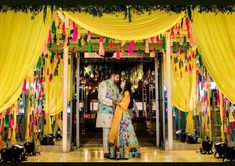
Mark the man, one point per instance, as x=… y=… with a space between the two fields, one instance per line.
x=108 y=96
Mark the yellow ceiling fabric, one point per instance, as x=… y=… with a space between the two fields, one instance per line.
x=215 y=34
x=22 y=40
x=114 y=26
x=183 y=89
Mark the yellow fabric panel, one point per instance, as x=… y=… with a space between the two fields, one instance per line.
x=114 y=26
x=183 y=89
x=21 y=39
x=215 y=36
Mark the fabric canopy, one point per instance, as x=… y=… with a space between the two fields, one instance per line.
x=215 y=36
x=114 y=26
x=22 y=40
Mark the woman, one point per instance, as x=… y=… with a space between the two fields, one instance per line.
x=123 y=143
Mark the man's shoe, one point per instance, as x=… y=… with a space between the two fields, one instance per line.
x=107 y=155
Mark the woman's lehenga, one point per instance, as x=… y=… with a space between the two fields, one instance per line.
x=126 y=145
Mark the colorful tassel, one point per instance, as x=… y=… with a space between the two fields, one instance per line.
x=63 y=29
x=101 y=49
x=79 y=43
x=146 y=47
x=89 y=47
x=118 y=54
x=164 y=43
x=111 y=44
x=131 y=47
x=88 y=35
x=49 y=37
x=24 y=87
x=75 y=32
x=53 y=28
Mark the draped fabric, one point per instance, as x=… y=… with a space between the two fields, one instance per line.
x=183 y=89
x=215 y=36
x=115 y=26
x=21 y=39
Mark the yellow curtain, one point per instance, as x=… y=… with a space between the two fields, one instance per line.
x=183 y=89
x=53 y=90
x=21 y=39
x=214 y=34
x=114 y=26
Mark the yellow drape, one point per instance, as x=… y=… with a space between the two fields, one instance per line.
x=183 y=90
x=215 y=36
x=53 y=91
x=21 y=39
x=114 y=26
x=123 y=105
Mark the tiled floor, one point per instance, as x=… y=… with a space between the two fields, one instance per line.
x=149 y=154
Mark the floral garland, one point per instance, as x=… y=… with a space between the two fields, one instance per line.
x=98 y=10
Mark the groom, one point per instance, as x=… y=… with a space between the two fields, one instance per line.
x=108 y=96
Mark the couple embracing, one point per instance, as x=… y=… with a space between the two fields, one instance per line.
x=119 y=138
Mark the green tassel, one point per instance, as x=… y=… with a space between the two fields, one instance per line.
x=53 y=28
x=143 y=42
x=185 y=41
x=164 y=43
x=39 y=63
x=55 y=39
x=161 y=36
x=107 y=40
x=85 y=38
x=79 y=43
x=43 y=97
x=89 y=47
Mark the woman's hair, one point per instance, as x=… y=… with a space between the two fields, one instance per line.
x=128 y=88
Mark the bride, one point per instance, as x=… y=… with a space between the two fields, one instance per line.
x=123 y=143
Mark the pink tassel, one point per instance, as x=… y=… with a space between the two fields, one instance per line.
x=24 y=87
x=75 y=32
x=131 y=47
x=63 y=28
x=101 y=39
x=89 y=35
x=101 y=49
x=49 y=37
x=147 y=47
x=118 y=55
